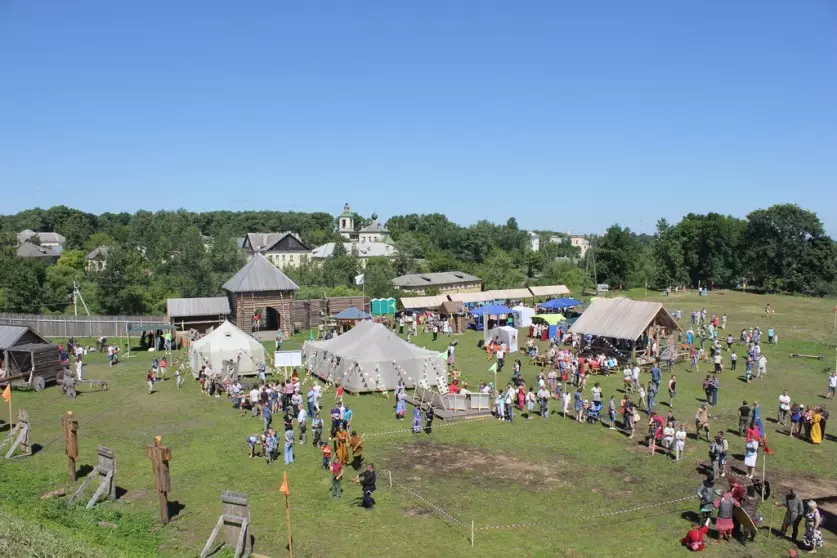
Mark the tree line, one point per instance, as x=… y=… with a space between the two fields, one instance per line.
x=156 y=255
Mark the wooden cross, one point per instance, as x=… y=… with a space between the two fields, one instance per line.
x=160 y=456
x=70 y=427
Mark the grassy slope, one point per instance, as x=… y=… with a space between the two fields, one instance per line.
x=545 y=471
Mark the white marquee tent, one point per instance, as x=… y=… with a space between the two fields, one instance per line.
x=227 y=348
x=505 y=334
x=370 y=357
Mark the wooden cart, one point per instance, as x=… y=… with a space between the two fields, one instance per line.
x=32 y=366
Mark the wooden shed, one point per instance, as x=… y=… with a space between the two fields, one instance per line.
x=260 y=288
x=29 y=359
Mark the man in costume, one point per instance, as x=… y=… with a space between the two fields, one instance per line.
x=694 y=538
x=357 y=450
x=367 y=483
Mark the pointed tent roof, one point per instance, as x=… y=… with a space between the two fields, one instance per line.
x=352 y=313
x=371 y=341
x=259 y=275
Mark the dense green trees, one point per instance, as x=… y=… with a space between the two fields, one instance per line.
x=162 y=254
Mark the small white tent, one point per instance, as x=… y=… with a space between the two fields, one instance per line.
x=505 y=334
x=523 y=316
x=227 y=349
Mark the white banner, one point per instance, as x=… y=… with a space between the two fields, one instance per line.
x=287 y=358
x=359 y=279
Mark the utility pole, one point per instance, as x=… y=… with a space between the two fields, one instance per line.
x=77 y=296
x=590 y=265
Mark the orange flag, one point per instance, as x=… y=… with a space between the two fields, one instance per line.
x=284 y=488
x=7 y=393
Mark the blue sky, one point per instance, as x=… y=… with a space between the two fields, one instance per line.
x=566 y=115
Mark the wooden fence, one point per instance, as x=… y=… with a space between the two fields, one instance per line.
x=57 y=325
x=306 y=314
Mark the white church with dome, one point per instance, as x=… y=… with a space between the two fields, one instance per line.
x=370 y=241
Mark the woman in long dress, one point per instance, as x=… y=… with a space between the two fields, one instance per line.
x=751 y=456
x=813 y=522
x=816 y=429
x=416 y=420
x=342 y=449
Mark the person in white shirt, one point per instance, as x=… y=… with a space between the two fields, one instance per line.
x=635 y=376
x=784 y=406
x=500 y=359
x=762 y=366
x=79 y=369
x=679 y=443
x=832 y=385
x=668 y=437
x=254 y=400
x=567 y=399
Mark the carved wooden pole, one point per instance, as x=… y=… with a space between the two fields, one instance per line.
x=70 y=425
x=160 y=456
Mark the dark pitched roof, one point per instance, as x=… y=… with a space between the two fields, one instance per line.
x=30 y=250
x=9 y=335
x=259 y=275
x=264 y=242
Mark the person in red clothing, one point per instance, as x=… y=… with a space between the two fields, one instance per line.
x=694 y=538
x=752 y=433
x=454 y=387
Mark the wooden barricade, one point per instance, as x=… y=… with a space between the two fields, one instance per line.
x=20 y=435
x=234 y=525
x=105 y=471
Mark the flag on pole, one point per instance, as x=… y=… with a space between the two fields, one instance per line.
x=359 y=279
x=493 y=368
x=284 y=488
x=7 y=393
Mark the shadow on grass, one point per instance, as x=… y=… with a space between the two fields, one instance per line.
x=174 y=508
x=84 y=470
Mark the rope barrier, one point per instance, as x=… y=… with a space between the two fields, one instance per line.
x=594 y=516
x=443 y=425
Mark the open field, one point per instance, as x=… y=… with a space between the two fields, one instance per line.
x=555 y=473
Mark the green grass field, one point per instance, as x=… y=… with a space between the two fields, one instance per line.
x=559 y=474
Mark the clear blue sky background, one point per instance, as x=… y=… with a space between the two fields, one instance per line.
x=567 y=115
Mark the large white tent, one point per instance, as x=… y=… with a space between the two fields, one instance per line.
x=504 y=334
x=227 y=349
x=370 y=357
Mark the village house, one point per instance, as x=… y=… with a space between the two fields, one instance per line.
x=96 y=259
x=445 y=282
x=285 y=250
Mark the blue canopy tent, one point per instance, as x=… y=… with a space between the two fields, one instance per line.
x=352 y=313
x=481 y=313
x=559 y=303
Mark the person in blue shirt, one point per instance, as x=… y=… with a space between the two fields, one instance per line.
x=267 y=416
x=347 y=418
x=270 y=443
x=289 y=447
x=310 y=400
x=655 y=375
x=262 y=369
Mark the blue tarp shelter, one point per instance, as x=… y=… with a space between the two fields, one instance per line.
x=352 y=313
x=559 y=303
